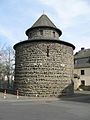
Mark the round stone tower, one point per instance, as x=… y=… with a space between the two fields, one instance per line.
x=43 y=63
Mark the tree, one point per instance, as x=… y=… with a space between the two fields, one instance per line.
x=7 y=65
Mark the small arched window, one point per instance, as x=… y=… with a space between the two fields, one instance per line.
x=88 y=60
x=41 y=32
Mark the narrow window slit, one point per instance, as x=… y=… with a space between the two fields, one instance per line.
x=47 y=51
x=53 y=34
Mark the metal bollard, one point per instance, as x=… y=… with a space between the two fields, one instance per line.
x=17 y=94
x=5 y=94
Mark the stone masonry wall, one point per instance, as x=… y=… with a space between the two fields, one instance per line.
x=47 y=33
x=44 y=69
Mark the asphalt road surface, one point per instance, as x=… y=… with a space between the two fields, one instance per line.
x=44 y=110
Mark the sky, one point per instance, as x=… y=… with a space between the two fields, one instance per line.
x=70 y=16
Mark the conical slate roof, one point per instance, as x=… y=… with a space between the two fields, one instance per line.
x=45 y=22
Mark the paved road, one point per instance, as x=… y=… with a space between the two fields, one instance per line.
x=76 y=107
x=44 y=110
